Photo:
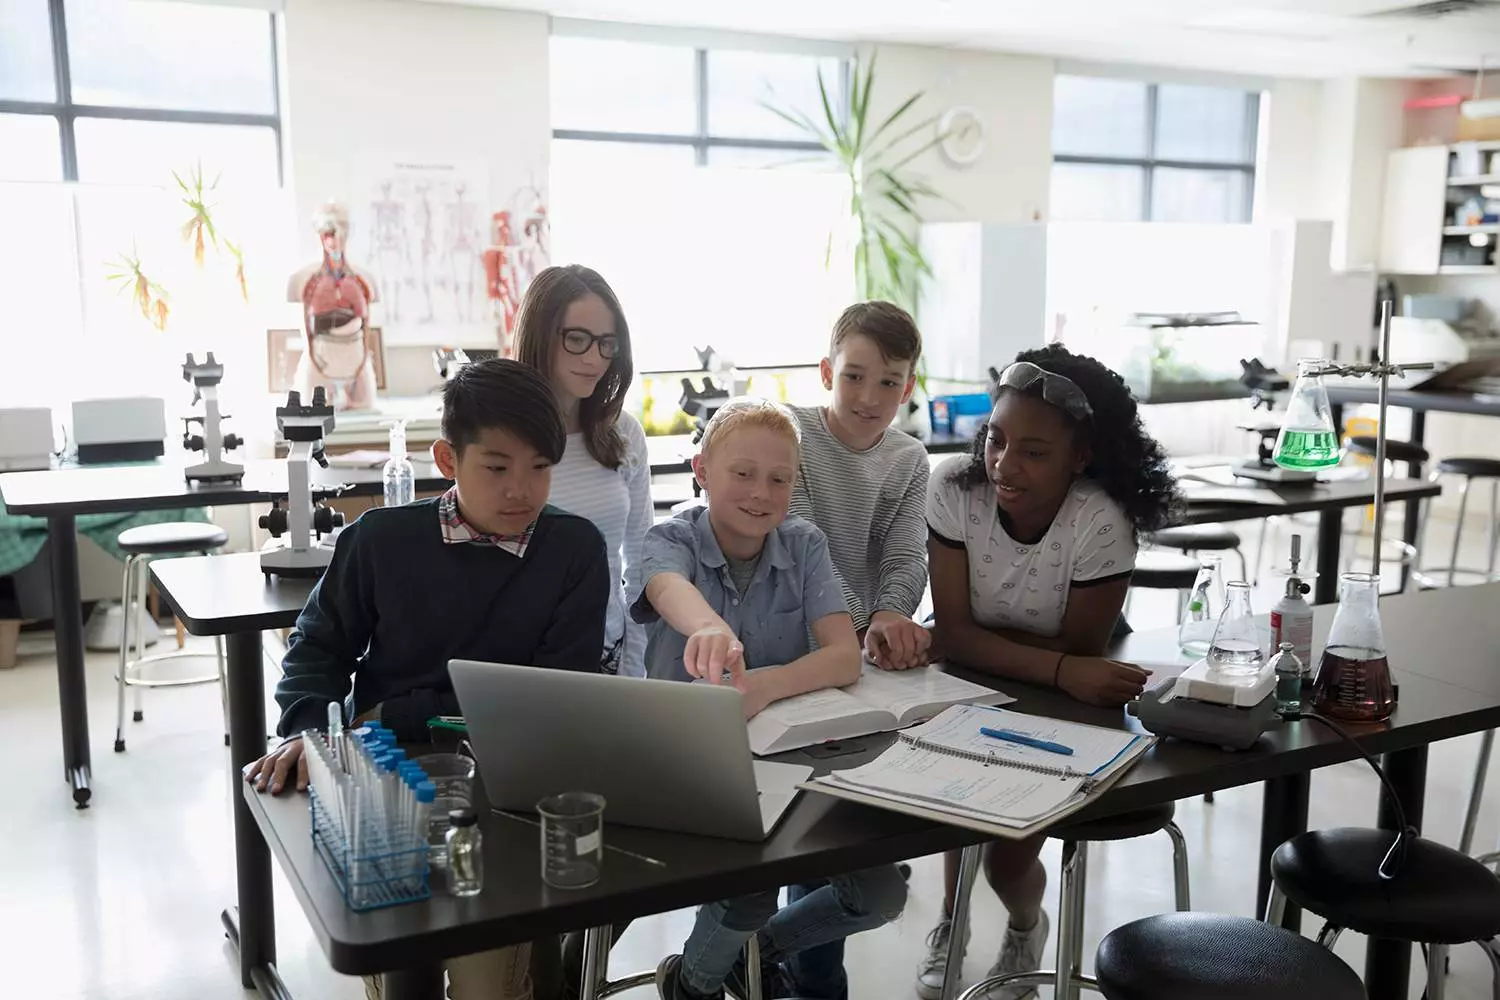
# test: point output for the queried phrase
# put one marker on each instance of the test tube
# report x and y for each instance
(336, 733)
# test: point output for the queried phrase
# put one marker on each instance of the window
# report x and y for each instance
(100, 101)
(711, 216)
(1127, 150)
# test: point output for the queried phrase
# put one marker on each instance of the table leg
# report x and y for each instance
(1388, 963)
(1283, 815)
(968, 874)
(1326, 586)
(252, 859)
(1413, 516)
(422, 983)
(72, 686)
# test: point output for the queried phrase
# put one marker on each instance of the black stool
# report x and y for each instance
(1470, 469)
(1190, 538)
(1395, 451)
(1068, 977)
(1438, 896)
(140, 545)
(1198, 956)
(1164, 571)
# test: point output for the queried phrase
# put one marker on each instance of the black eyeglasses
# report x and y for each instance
(1059, 390)
(577, 340)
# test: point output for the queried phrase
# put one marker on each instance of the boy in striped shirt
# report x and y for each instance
(864, 484)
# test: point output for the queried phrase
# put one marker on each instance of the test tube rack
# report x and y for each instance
(364, 827)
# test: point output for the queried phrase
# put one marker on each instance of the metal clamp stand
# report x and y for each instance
(205, 379)
(304, 519)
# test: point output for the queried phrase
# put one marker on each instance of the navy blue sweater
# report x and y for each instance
(397, 603)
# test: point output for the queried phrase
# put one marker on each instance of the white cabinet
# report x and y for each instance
(1411, 229)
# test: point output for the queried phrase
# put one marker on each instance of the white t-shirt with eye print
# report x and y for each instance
(1025, 585)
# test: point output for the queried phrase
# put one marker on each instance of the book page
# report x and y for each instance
(811, 718)
(1095, 749)
(1002, 792)
(913, 695)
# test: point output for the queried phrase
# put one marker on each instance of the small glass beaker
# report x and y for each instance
(452, 775)
(1308, 439)
(1354, 677)
(1205, 602)
(572, 839)
(1238, 646)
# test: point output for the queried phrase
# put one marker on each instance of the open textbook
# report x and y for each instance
(947, 770)
(881, 700)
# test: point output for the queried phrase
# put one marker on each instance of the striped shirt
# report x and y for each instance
(618, 501)
(872, 506)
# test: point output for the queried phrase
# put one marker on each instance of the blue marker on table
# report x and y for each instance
(1010, 736)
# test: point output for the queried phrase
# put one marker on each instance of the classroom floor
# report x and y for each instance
(121, 901)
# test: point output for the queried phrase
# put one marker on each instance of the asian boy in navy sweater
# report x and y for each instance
(488, 571)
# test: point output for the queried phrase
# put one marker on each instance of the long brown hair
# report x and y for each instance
(538, 325)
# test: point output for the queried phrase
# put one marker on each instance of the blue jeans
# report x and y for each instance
(817, 973)
(844, 905)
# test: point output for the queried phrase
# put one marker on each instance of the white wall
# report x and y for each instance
(1012, 96)
(1286, 187)
(377, 81)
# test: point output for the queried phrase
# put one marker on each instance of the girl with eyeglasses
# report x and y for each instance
(1031, 545)
(571, 328)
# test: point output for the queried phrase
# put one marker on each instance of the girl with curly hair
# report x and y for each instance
(1031, 543)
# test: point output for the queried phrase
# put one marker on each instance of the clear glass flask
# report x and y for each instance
(1354, 679)
(1308, 439)
(1238, 646)
(1205, 602)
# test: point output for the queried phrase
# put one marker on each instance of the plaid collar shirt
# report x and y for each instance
(457, 531)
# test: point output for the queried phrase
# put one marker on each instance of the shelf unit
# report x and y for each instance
(1422, 192)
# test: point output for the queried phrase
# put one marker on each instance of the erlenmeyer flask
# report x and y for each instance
(1238, 646)
(1307, 439)
(1354, 679)
(1205, 603)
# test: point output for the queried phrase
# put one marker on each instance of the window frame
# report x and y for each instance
(66, 112)
(701, 140)
(1149, 161)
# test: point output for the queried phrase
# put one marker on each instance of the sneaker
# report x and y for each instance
(935, 963)
(774, 983)
(1021, 952)
(669, 985)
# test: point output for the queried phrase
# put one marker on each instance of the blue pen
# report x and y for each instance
(1022, 739)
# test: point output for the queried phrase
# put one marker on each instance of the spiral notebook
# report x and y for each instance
(947, 770)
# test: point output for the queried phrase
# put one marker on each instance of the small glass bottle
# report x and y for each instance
(465, 854)
(1289, 673)
(1238, 647)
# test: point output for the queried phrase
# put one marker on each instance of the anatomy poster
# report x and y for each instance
(421, 228)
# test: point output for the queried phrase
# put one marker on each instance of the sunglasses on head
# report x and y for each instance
(577, 340)
(1059, 390)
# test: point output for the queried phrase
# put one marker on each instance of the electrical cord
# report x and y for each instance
(1390, 866)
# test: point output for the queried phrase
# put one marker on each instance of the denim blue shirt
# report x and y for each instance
(793, 586)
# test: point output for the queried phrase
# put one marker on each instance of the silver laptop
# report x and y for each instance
(664, 754)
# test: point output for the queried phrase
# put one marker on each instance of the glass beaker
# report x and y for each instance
(572, 839)
(453, 776)
(1308, 439)
(1354, 679)
(1238, 646)
(1205, 603)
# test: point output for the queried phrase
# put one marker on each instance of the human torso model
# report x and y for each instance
(335, 298)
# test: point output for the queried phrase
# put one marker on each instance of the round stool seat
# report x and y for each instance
(172, 537)
(1439, 896)
(1122, 826)
(1164, 571)
(1476, 468)
(1195, 538)
(1196, 956)
(1396, 451)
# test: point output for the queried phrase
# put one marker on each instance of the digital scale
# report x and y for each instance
(1206, 705)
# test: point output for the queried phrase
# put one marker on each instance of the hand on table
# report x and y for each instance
(272, 770)
(1095, 680)
(712, 653)
(895, 642)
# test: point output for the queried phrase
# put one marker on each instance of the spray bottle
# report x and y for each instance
(400, 478)
(1292, 617)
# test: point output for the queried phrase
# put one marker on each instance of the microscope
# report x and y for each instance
(212, 442)
(305, 519)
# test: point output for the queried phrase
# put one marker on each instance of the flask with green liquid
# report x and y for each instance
(1307, 439)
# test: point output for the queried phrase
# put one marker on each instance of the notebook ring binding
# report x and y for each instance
(990, 757)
